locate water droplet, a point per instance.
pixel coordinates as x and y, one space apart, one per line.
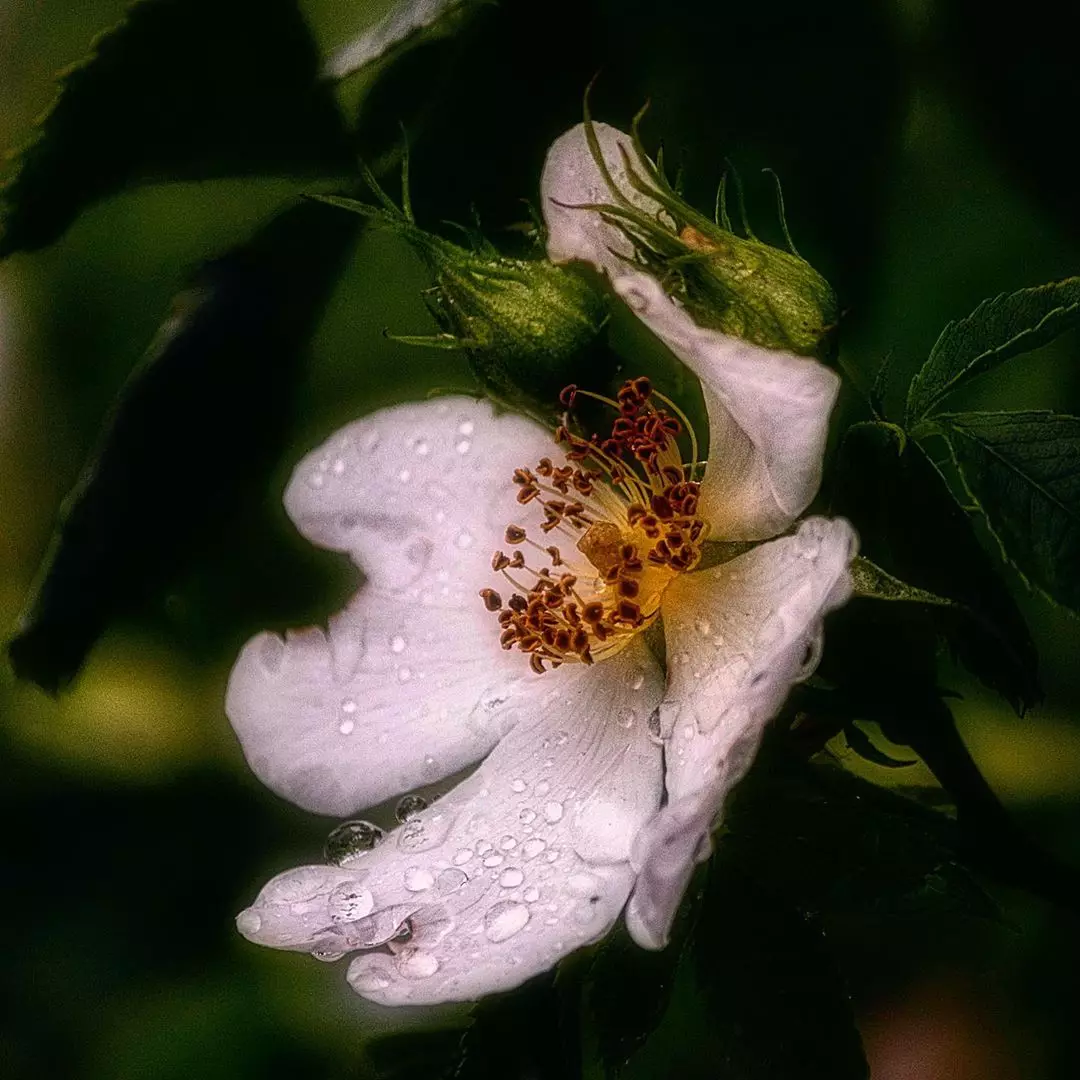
414 964
369 981
327 953
450 880
493 860
397 644
423 448
688 731
508 842
349 902
504 919
409 806
511 878
417 879
526 816
553 811
351 840
517 785
483 847
543 787
420 834
463 446
531 848
348 706
552 855
466 427
637 681
249 922
626 718
338 467
464 539
404 476
346 727
582 884
703 627
462 857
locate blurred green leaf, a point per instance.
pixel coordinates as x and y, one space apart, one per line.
192 436
997 330
180 90
911 527
627 989
1023 469
868 579
777 1007
831 842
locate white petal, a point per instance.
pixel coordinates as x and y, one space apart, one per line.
409 684
768 410
768 418
571 179
738 636
520 864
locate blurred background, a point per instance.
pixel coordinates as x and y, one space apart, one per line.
920 146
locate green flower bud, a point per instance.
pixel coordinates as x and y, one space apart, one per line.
527 326
736 284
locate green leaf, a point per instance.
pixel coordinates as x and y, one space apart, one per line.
1023 469
777 1007
868 579
912 527
627 988
997 330
180 90
193 435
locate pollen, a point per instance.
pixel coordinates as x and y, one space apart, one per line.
617 522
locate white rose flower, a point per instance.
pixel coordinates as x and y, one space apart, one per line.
601 775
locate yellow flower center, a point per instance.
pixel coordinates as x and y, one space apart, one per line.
625 508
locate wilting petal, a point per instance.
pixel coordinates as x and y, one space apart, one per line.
768 409
738 636
520 864
409 684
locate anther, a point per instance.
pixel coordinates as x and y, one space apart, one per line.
514 534
492 600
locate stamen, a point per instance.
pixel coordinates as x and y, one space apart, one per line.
633 533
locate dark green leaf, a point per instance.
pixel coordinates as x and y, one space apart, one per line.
911 526
180 90
997 330
627 988
1023 469
777 1007
868 579
833 843
866 748
194 434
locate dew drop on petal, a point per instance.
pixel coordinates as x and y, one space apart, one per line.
450 879
637 681
464 539
350 902
422 447
415 964
404 674
327 953
369 981
346 726
531 895
508 842
511 878
505 919
466 427
517 785
408 806
417 879
462 857
404 476
493 860
351 840
463 446
532 847
626 717
397 644
553 811
526 816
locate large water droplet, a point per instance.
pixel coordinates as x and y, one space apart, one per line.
422 833
553 811
408 806
504 919
417 879
368 980
493 860
511 878
532 847
451 879
508 842
415 964
462 857
351 840
349 902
